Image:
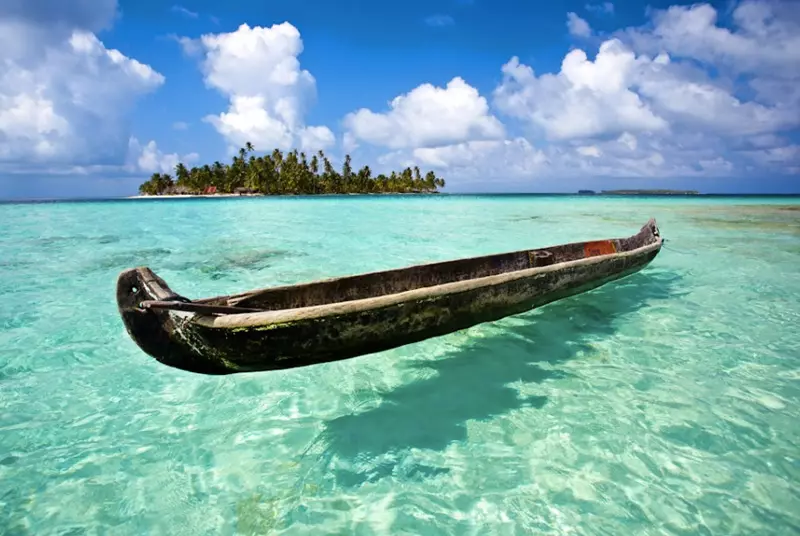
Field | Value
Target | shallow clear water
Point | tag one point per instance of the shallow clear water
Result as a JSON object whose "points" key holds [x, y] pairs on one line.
{"points": [[666, 403]]}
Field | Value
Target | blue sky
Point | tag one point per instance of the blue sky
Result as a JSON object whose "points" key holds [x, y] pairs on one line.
{"points": [[494, 96]]}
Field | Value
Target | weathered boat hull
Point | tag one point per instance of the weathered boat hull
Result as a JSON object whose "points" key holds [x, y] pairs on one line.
{"points": [[322, 332]]}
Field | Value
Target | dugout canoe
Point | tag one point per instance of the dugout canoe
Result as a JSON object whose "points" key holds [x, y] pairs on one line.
{"points": [[341, 318]]}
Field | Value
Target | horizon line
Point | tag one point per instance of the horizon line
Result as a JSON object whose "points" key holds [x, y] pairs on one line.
{"points": [[678, 194]]}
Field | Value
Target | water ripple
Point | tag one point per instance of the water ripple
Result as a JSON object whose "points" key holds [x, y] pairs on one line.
{"points": [[663, 404]]}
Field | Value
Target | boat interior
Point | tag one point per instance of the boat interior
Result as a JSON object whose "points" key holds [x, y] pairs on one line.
{"points": [[424, 275]]}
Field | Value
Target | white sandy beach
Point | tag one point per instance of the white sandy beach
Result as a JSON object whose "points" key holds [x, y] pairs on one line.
{"points": [[174, 196]]}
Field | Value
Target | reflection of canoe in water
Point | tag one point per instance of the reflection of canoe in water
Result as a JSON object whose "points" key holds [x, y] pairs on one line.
{"points": [[329, 320]]}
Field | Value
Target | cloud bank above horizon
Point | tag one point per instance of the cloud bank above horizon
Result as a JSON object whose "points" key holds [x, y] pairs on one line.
{"points": [[682, 96]]}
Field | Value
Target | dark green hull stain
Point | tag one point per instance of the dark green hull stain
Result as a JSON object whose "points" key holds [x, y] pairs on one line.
{"points": [[178, 340]]}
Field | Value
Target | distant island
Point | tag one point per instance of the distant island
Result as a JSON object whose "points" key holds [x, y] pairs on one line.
{"points": [[640, 192], [285, 174]]}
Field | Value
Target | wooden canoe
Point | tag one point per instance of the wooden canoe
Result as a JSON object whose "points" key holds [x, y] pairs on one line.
{"points": [[340, 318]]}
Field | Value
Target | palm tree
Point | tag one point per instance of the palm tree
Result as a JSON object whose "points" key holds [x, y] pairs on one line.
{"points": [[292, 172], [182, 176]]}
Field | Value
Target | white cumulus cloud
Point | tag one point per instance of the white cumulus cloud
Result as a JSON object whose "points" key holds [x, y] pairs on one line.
{"points": [[427, 116], [258, 70], [697, 102], [316, 138], [765, 37], [577, 26], [148, 158], [65, 99], [477, 159], [587, 98]]}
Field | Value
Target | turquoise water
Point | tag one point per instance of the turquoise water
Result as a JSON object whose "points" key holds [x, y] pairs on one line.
{"points": [[666, 403]]}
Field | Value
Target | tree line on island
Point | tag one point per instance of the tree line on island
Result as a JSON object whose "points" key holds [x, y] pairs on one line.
{"points": [[289, 173]]}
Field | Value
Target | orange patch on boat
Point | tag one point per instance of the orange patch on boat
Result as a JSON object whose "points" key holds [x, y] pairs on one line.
{"points": [[601, 247]]}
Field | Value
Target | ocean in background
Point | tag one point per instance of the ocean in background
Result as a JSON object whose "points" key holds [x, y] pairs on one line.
{"points": [[665, 403]]}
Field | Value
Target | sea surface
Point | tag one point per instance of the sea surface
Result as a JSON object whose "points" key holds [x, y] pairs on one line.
{"points": [[665, 403]]}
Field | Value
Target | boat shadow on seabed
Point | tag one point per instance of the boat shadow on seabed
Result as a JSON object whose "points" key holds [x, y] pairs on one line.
{"points": [[472, 384]]}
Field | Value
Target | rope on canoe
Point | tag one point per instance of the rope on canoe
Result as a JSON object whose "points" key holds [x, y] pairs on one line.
{"points": [[195, 307], [677, 250]]}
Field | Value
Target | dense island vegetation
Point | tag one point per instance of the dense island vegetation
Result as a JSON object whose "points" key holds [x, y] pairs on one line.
{"points": [[289, 173]]}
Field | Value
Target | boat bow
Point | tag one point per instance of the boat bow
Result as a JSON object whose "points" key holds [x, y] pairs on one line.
{"points": [[159, 332]]}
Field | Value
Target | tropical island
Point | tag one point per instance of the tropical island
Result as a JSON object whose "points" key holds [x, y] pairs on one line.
{"points": [[285, 174], [650, 192], [640, 192]]}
